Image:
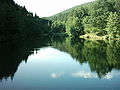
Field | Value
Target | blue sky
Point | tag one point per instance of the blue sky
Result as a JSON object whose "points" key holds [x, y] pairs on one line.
{"points": [[44, 8]]}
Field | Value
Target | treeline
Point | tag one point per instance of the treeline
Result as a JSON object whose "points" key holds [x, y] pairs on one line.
{"points": [[16, 22], [101, 18], [102, 56]]}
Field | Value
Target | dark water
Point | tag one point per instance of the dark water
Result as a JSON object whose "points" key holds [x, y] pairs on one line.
{"points": [[60, 64]]}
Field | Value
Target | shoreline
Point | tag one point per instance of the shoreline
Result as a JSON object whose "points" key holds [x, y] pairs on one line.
{"points": [[95, 37]]}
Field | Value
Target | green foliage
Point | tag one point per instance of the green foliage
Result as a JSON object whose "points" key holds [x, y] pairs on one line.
{"points": [[74, 26], [57, 27], [113, 25], [16, 22], [90, 18]]}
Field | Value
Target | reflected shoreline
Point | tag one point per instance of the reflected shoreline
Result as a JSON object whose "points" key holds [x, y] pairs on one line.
{"points": [[102, 57]]}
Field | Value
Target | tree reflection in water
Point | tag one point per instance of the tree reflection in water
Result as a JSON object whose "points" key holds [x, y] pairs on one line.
{"points": [[102, 56]]}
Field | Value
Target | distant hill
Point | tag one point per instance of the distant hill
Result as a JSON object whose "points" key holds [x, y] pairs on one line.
{"points": [[65, 13], [62, 16], [100, 17]]}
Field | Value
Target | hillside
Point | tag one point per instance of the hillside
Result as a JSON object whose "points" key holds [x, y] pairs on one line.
{"points": [[65, 13], [17, 23], [100, 17]]}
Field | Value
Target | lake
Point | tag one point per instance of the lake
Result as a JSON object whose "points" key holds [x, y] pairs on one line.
{"points": [[60, 64]]}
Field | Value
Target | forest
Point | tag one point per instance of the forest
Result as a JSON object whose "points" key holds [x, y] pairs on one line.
{"points": [[100, 18], [17, 23]]}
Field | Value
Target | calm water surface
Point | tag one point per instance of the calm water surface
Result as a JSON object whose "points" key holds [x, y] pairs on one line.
{"points": [[60, 66]]}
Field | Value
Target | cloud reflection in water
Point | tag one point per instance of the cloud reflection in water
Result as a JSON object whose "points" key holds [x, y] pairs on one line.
{"points": [[56, 75], [84, 74]]}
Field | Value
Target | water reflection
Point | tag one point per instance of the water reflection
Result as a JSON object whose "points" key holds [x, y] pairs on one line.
{"points": [[56, 75], [101, 56], [12, 54], [84, 74]]}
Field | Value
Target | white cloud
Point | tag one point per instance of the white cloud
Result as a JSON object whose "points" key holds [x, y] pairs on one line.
{"points": [[56, 75]]}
